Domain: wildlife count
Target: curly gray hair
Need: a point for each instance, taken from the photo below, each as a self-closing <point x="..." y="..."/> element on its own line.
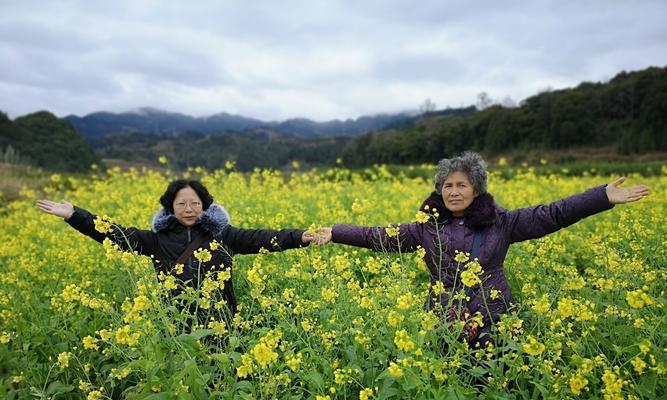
<point x="470" y="163"/>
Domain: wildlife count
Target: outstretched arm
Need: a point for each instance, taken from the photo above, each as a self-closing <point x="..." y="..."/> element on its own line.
<point x="131" y="239"/>
<point x="250" y="241"/>
<point x="535" y="222"/>
<point x="396" y="238"/>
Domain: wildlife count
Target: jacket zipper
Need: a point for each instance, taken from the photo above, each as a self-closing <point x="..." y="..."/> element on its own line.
<point x="190" y="256"/>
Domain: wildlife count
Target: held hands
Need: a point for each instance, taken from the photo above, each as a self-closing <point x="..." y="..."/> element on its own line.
<point x="619" y="195"/>
<point x="321" y="236"/>
<point x="63" y="209"/>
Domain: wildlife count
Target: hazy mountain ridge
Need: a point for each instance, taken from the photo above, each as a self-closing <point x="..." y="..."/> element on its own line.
<point x="159" y="122"/>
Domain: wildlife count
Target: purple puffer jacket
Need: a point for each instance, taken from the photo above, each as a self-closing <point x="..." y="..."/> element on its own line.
<point x="499" y="228"/>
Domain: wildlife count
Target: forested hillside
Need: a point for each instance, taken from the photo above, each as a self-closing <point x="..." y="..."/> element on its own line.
<point x="627" y="114"/>
<point x="46" y="141"/>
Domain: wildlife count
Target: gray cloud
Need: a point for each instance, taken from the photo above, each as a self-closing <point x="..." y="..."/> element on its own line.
<point x="322" y="60"/>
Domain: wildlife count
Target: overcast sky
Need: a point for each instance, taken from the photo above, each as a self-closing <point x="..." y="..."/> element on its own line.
<point x="322" y="60"/>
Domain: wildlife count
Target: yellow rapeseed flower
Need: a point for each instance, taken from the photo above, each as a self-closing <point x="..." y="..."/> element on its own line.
<point x="577" y="383"/>
<point x="638" y="299"/>
<point x="639" y="365"/>
<point x="202" y="255"/>
<point x="102" y="224"/>
<point x="533" y="347"/>
<point x="246" y="367"/>
<point x="63" y="359"/>
<point x="392" y="231"/>
<point x="219" y="327"/>
<point x="293" y="362"/>
<point x="366" y="394"/>
<point x="403" y="341"/>
<point x="95" y="395"/>
<point x="613" y="385"/>
<point x="178" y="269"/>
<point x="421" y="217"/>
<point x="90" y="343"/>
<point x="395" y="370"/>
<point x="461" y="257"/>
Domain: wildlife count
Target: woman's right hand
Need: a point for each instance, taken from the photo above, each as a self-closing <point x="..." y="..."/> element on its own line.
<point x="63" y="209"/>
<point x="321" y="236"/>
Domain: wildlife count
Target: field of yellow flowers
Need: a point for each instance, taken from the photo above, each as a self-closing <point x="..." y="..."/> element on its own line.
<point x="79" y="320"/>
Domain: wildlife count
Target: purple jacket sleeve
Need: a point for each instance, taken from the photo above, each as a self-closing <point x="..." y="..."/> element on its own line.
<point x="376" y="238"/>
<point x="535" y="222"/>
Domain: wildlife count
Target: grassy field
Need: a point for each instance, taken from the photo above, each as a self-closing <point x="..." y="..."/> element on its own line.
<point x="80" y="320"/>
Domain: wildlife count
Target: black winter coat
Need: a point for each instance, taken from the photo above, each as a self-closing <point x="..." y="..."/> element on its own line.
<point x="168" y="239"/>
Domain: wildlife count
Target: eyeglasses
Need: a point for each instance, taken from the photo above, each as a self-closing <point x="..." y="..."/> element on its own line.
<point x="181" y="205"/>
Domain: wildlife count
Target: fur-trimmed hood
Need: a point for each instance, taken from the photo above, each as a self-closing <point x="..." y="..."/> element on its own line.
<point x="214" y="219"/>
<point x="481" y="213"/>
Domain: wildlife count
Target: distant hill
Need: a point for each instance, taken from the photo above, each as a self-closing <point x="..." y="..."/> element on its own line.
<point x="627" y="115"/>
<point x="263" y="146"/>
<point x="44" y="140"/>
<point x="157" y="122"/>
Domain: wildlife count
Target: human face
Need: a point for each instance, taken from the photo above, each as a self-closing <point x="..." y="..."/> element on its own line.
<point x="187" y="206"/>
<point x="458" y="192"/>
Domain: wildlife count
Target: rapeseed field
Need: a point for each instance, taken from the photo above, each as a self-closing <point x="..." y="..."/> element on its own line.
<point x="80" y="320"/>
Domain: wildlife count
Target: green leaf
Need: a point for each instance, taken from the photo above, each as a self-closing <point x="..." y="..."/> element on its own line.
<point x="315" y="378"/>
<point x="387" y="390"/>
<point x="454" y="394"/>
<point x="200" y="333"/>
<point x="410" y="382"/>
<point x="245" y="386"/>
<point x="58" y="387"/>
<point x="157" y="396"/>
<point x="478" y="371"/>
<point x="351" y="354"/>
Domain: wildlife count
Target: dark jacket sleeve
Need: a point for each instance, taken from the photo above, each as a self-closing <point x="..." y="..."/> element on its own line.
<point x="535" y="222"/>
<point x="377" y="238"/>
<point x="128" y="239"/>
<point x="250" y="241"/>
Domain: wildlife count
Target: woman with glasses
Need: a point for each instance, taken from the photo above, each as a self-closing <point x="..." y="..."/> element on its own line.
<point x="189" y="220"/>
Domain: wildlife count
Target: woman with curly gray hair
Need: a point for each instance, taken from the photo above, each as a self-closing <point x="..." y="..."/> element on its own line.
<point x="465" y="218"/>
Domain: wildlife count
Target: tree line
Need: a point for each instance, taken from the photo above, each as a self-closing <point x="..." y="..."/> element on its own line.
<point x="628" y="115"/>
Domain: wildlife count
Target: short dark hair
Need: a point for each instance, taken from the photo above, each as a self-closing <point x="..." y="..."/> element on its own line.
<point x="167" y="199"/>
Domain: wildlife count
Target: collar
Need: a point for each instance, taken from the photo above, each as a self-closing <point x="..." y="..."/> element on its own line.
<point x="481" y="213"/>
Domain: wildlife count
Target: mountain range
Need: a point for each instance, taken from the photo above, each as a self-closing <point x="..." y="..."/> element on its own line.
<point x="158" y="122"/>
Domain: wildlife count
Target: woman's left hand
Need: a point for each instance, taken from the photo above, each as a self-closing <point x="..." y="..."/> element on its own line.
<point x="619" y="195"/>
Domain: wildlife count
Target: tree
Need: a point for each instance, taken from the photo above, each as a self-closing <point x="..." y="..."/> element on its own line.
<point x="427" y="107"/>
<point x="484" y="101"/>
